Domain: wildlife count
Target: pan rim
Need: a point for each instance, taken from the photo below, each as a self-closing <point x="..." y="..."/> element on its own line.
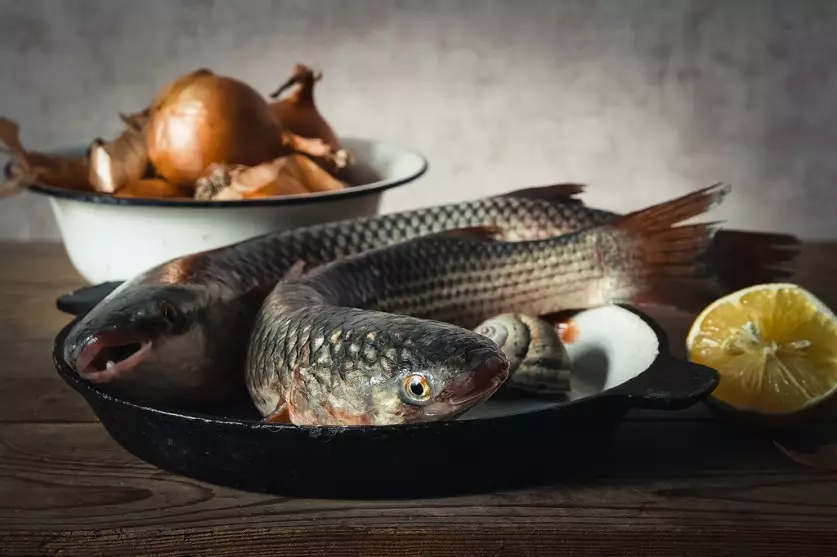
<point x="630" y="397"/>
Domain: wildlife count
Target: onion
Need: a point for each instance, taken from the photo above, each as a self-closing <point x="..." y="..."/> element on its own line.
<point x="202" y="119"/>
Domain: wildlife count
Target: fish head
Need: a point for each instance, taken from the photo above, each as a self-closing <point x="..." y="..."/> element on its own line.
<point x="145" y="328"/>
<point x="443" y="372"/>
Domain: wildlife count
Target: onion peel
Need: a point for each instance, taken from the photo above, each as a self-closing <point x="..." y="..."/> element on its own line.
<point x="121" y="161"/>
<point x="152" y="188"/>
<point x="30" y="167"/>
<point x="290" y="175"/>
<point x="298" y="111"/>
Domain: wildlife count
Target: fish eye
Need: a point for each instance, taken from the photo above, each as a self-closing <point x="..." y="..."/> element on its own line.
<point x="416" y="388"/>
<point x="169" y="312"/>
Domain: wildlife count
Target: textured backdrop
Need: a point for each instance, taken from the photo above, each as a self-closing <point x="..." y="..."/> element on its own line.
<point x="641" y="99"/>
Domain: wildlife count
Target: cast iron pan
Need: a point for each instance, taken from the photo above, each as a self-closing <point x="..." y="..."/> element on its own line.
<point x="230" y="447"/>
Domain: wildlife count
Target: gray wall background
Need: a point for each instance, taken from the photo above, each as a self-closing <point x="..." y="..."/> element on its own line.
<point x="641" y="99"/>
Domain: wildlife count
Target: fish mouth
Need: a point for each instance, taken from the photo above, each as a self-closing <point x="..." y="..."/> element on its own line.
<point x="480" y="383"/>
<point x="106" y="356"/>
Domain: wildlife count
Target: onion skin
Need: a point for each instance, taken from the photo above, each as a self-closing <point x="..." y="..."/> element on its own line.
<point x="152" y="188"/>
<point x="202" y="119"/>
<point x="31" y="167"/>
<point x="290" y="175"/>
<point x="298" y="112"/>
<point x="113" y="164"/>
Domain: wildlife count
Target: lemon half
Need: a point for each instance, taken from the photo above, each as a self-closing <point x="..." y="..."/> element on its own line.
<point x="773" y="345"/>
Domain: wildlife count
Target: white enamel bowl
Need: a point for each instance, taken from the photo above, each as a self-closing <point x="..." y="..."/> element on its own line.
<point x="112" y="239"/>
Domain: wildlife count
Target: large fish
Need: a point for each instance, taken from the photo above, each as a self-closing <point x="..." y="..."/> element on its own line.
<point x="176" y="334"/>
<point x="385" y="336"/>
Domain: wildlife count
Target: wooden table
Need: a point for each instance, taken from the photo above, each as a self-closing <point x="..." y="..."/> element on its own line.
<point x="67" y="489"/>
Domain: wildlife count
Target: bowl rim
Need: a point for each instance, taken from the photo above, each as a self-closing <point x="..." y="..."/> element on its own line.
<point x="289" y="200"/>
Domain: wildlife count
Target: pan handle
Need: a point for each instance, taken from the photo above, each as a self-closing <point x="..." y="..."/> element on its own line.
<point x="80" y="301"/>
<point x="669" y="384"/>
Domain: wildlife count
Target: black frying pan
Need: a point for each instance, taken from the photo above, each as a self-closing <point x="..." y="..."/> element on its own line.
<point x="230" y="447"/>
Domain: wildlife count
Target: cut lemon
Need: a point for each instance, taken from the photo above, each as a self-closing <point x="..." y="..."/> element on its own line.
<point x="773" y="345"/>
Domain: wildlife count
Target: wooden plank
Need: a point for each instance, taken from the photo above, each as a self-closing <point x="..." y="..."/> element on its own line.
<point x="45" y="400"/>
<point x="662" y="487"/>
<point x="432" y="538"/>
<point x="27" y="358"/>
<point x="672" y="471"/>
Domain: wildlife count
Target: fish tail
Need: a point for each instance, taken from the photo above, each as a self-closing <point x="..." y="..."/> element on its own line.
<point x="681" y="266"/>
<point x="740" y="258"/>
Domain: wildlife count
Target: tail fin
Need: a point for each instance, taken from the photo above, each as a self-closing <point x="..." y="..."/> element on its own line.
<point x="688" y="266"/>
<point x="739" y="258"/>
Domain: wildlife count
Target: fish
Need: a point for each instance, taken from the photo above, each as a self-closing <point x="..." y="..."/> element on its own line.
<point x="538" y="360"/>
<point x="339" y="366"/>
<point x="339" y="345"/>
<point x="176" y="334"/>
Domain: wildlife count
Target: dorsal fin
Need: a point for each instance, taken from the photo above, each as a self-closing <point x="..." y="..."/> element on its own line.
<point x="297" y="270"/>
<point x="548" y="193"/>
<point x="482" y="232"/>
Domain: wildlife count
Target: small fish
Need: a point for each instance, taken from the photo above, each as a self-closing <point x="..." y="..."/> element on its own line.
<point x="538" y="361"/>
<point x="418" y="302"/>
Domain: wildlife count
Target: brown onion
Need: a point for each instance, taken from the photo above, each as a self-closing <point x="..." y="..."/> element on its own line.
<point x="202" y="119"/>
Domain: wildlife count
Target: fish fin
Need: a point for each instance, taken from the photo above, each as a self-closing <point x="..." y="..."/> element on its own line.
<point x="547" y="193"/>
<point x="296" y="271"/>
<point x="689" y="266"/>
<point x="740" y="258"/>
<point x="662" y="216"/>
<point x="483" y="232"/>
<point x="344" y="417"/>
<point x="282" y="415"/>
<point x="673" y="269"/>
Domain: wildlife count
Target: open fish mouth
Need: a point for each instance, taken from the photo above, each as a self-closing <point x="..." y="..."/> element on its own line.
<point x="104" y="358"/>
<point x="483" y="381"/>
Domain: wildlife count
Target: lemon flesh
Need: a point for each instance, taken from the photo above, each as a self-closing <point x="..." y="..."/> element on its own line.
<point x="773" y="345"/>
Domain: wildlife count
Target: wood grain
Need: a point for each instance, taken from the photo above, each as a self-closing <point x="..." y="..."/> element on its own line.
<point x="68" y="486"/>
<point x="669" y="483"/>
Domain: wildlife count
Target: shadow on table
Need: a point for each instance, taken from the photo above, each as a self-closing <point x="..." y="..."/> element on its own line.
<point x="642" y="451"/>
